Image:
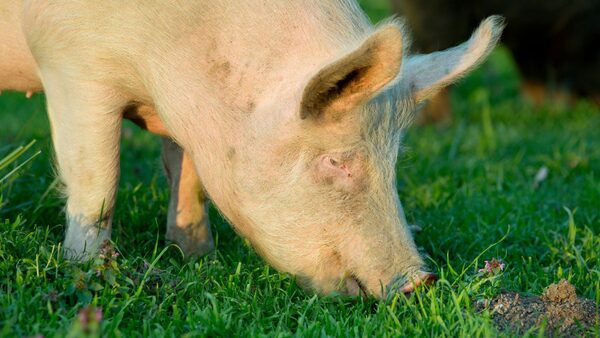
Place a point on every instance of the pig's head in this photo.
(317, 184)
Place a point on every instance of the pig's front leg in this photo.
(86, 124)
(187, 220)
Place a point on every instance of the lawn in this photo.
(469, 184)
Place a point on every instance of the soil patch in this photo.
(563, 313)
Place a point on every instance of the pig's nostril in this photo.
(422, 278)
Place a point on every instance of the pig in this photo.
(287, 114)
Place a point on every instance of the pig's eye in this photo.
(333, 162)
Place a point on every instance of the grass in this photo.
(469, 184)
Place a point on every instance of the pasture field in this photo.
(469, 184)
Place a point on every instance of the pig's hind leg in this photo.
(187, 219)
(86, 122)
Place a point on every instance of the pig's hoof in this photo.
(82, 243)
(76, 255)
(194, 240)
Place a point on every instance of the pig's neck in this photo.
(221, 90)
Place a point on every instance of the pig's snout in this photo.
(409, 285)
(400, 284)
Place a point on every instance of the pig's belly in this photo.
(20, 77)
(18, 70)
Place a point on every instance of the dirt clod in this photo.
(563, 313)
(560, 292)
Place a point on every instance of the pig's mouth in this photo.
(356, 285)
(361, 286)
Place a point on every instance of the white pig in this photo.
(290, 113)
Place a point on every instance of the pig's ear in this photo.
(354, 78)
(429, 73)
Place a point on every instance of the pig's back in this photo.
(122, 41)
